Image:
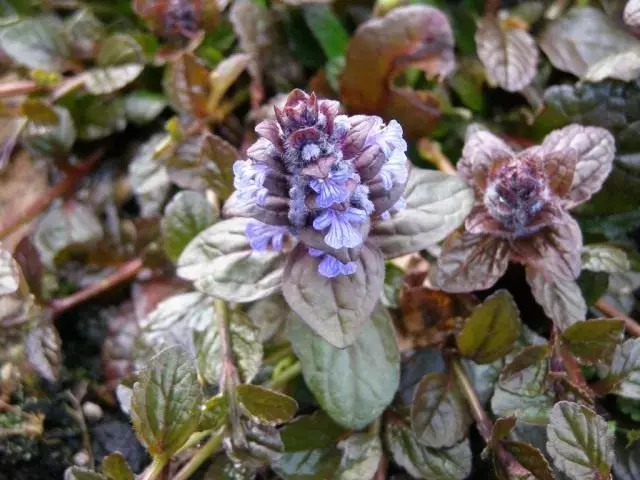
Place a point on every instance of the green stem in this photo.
(278, 355)
(201, 456)
(155, 469)
(285, 377)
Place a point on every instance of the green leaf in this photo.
(581, 38)
(624, 371)
(605, 258)
(85, 31)
(361, 455)
(9, 273)
(246, 349)
(579, 441)
(223, 468)
(393, 281)
(142, 106)
(268, 316)
(423, 462)
(593, 285)
(216, 413)
(79, 473)
(265, 406)
(221, 263)
(318, 464)
(115, 467)
(327, 29)
(51, 140)
(37, 42)
(595, 340)
(148, 177)
(439, 415)
(335, 308)
(43, 349)
(526, 373)
(530, 458)
(627, 460)
(165, 409)
(223, 76)
(491, 330)
(354, 384)
(119, 62)
(98, 117)
(528, 409)
(186, 85)
(185, 216)
(311, 432)
(66, 228)
(39, 112)
(167, 323)
(204, 162)
(509, 54)
(437, 204)
(502, 428)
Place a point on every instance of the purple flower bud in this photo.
(334, 173)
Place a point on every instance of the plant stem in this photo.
(155, 469)
(631, 325)
(285, 377)
(19, 87)
(201, 456)
(278, 355)
(431, 152)
(229, 371)
(125, 272)
(483, 422)
(70, 181)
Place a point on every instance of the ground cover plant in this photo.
(315, 239)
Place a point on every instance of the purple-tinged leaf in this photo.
(561, 300)
(471, 262)
(508, 53)
(436, 205)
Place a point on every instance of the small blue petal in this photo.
(394, 171)
(331, 267)
(341, 232)
(330, 190)
(360, 197)
(314, 252)
(261, 235)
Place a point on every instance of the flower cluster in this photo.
(522, 203)
(177, 18)
(321, 177)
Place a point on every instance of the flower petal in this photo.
(555, 251)
(261, 236)
(595, 149)
(331, 267)
(471, 262)
(481, 150)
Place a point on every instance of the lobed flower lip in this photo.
(522, 206)
(329, 173)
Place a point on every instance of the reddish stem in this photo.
(65, 185)
(19, 87)
(125, 272)
(631, 325)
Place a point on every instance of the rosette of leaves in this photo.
(329, 197)
(521, 214)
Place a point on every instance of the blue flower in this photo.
(330, 190)
(261, 235)
(388, 138)
(249, 179)
(330, 266)
(395, 170)
(341, 231)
